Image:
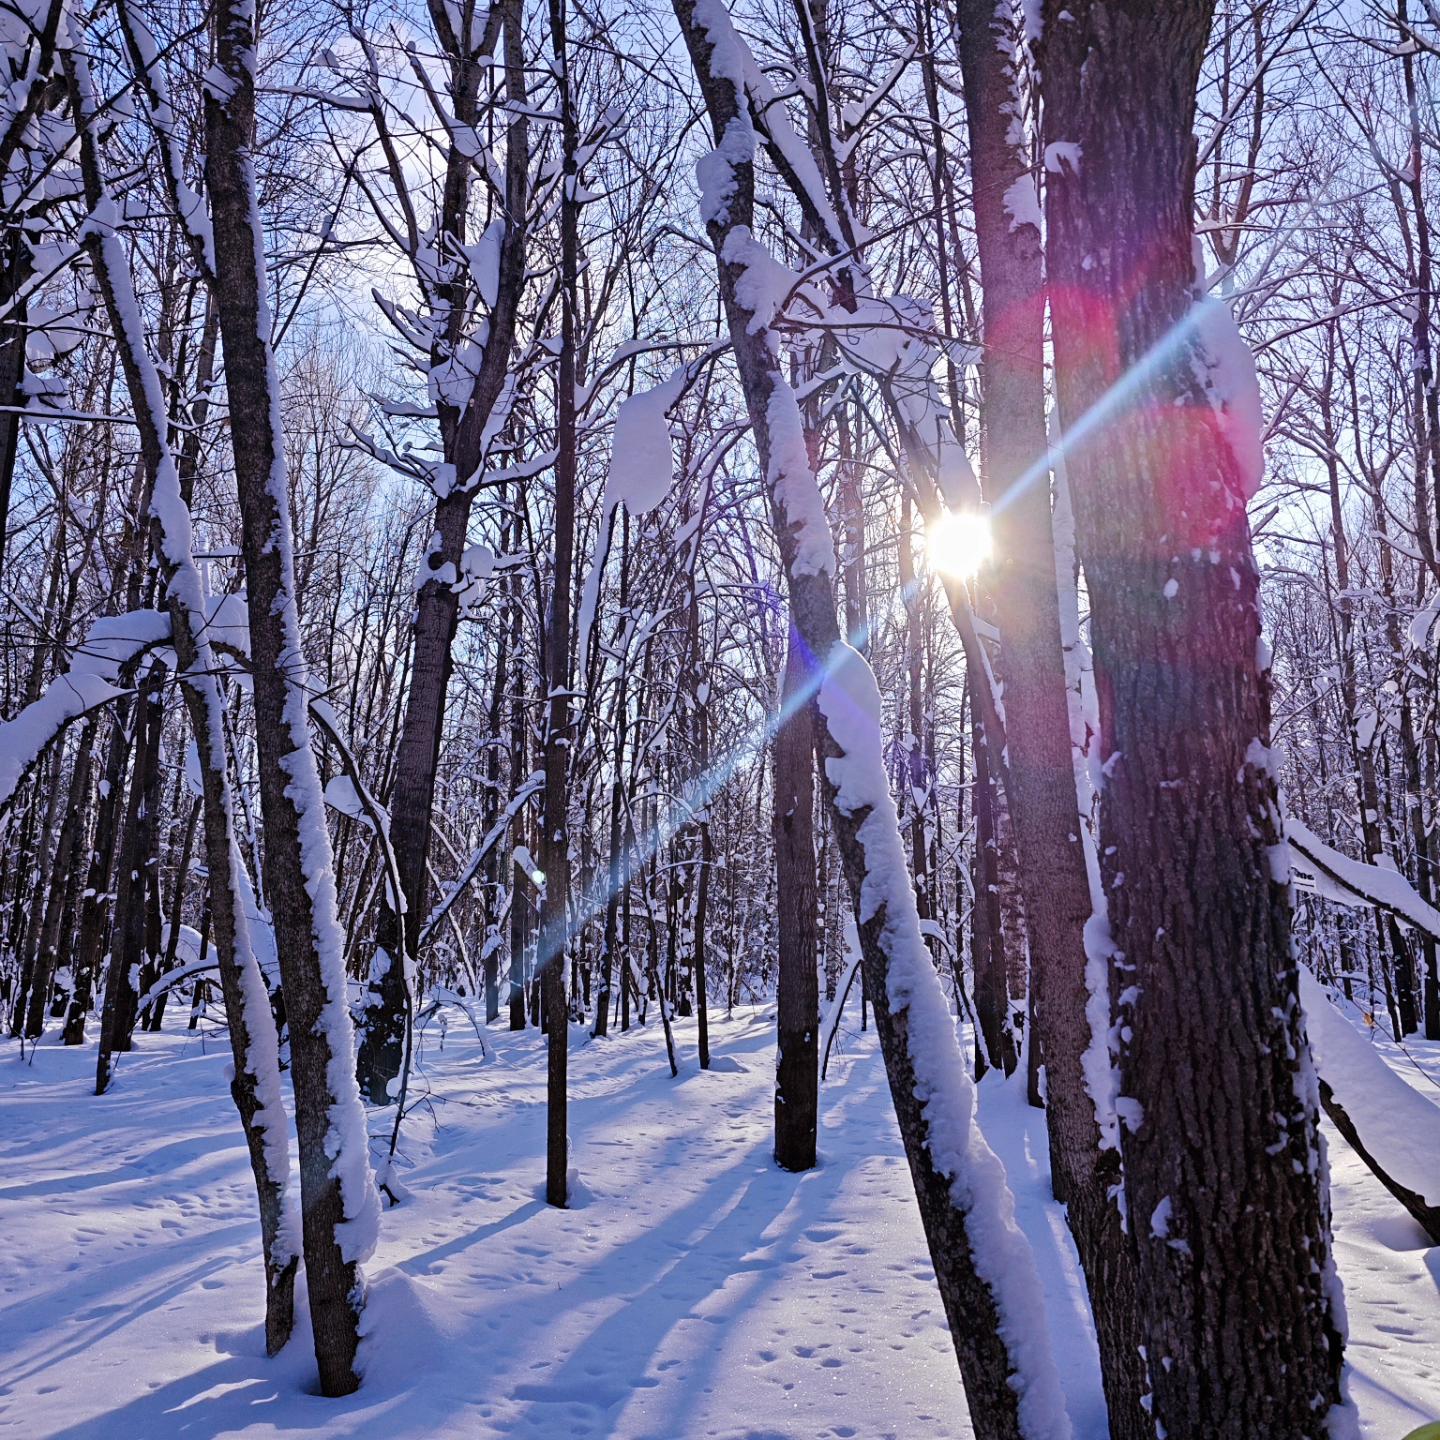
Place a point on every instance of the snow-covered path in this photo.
(696, 1291)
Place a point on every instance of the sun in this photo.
(958, 543)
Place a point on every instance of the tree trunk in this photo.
(62, 883)
(254, 1042)
(995, 1038)
(797, 1021)
(555, 836)
(96, 901)
(1243, 1336)
(437, 604)
(127, 938)
(1040, 774)
(16, 274)
(338, 1201)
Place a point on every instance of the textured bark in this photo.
(95, 900)
(205, 704)
(995, 1037)
(31, 92)
(700, 729)
(519, 761)
(16, 272)
(797, 1039)
(33, 881)
(1039, 773)
(302, 904)
(555, 834)
(1222, 1165)
(617, 877)
(181, 863)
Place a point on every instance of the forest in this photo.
(720, 719)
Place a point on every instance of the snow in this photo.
(1397, 1123)
(1063, 155)
(700, 1294)
(341, 795)
(715, 170)
(763, 283)
(1421, 629)
(792, 482)
(1229, 374)
(642, 470)
(641, 458)
(1326, 872)
(1022, 202)
(90, 682)
(484, 261)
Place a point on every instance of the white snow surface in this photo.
(699, 1294)
(1354, 883)
(642, 461)
(1398, 1124)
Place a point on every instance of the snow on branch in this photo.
(1324, 871)
(100, 665)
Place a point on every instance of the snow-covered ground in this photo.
(695, 1291)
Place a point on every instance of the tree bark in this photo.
(797, 1024)
(437, 604)
(254, 1042)
(555, 835)
(96, 901)
(1040, 774)
(338, 1202)
(1219, 1139)
(62, 883)
(127, 936)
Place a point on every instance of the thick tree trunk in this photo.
(1221, 1153)
(1040, 775)
(797, 1024)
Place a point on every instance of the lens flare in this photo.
(958, 543)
